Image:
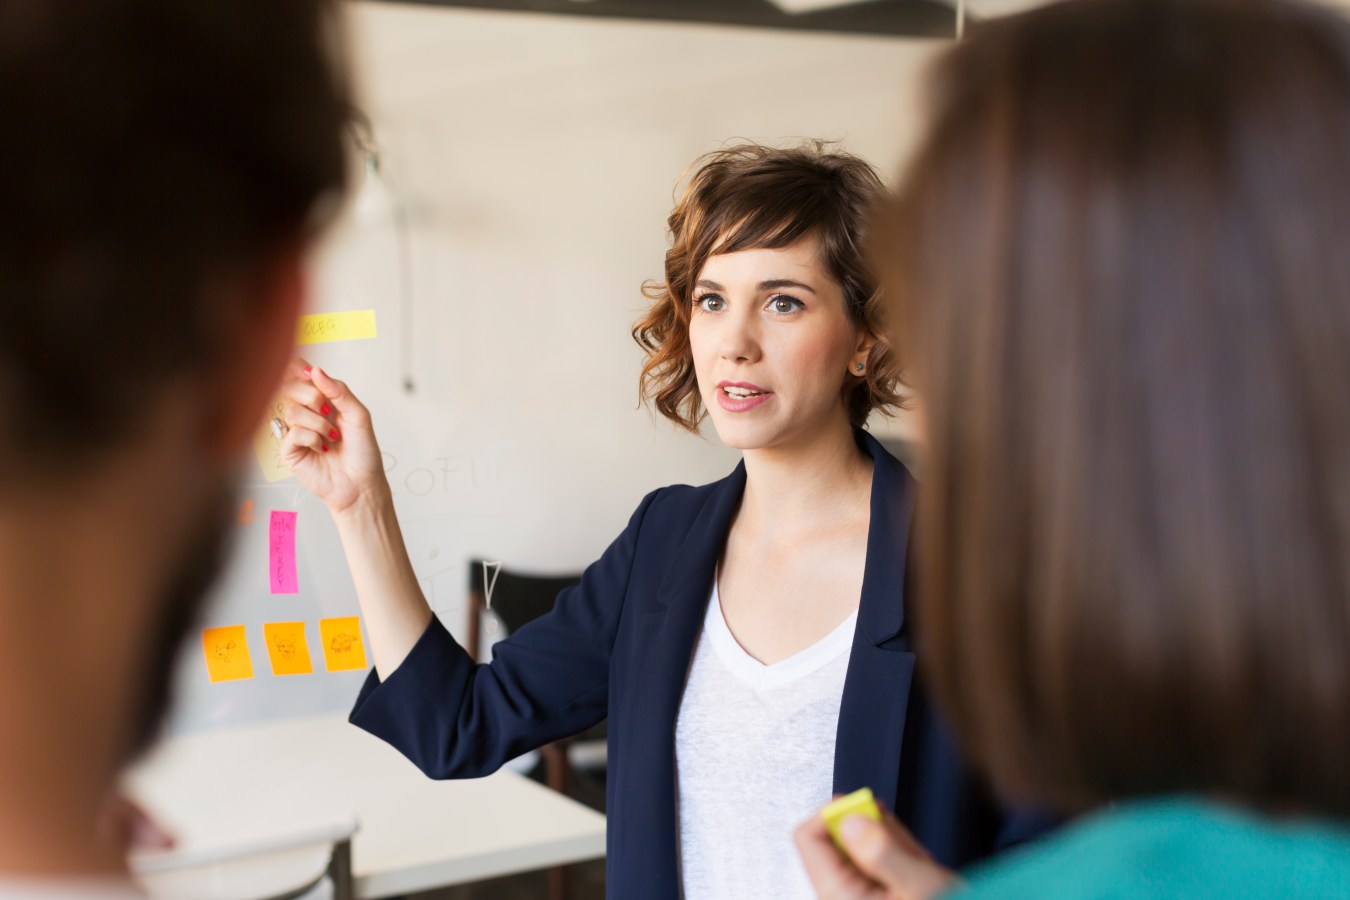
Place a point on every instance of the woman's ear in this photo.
(862, 351)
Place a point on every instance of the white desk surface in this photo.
(242, 785)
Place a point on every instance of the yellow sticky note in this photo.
(287, 649)
(226, 652)
(859, 803)
(324, 328)
(342, 647)
(267, 446)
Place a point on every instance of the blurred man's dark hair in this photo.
(152, 152)
(166, 165)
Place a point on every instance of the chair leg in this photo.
(557, 776)
(340, 871)
(557, 883)
(474, 615)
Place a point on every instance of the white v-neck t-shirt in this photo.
(754, 758)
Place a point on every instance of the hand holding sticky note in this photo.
(896, 864)
(859, 803)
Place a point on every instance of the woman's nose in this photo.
(740, 339)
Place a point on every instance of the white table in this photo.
(251, 784)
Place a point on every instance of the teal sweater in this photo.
(1174, 847)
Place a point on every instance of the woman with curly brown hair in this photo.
(745, 639)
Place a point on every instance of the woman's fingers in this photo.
(339, 395)
(298, 416)
(320, 412)
(831, 875)
(900, 834)
(883, 861)
(889, 856)
(311, 388)
(304, 393)
(298, 440)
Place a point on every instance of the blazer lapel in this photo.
(668, 636)
(881, 667)
(876, 689)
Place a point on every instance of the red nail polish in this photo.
(325, 410)
(325, 448)
(307, 369)
(333, 435)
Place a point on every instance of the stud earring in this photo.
(858, 366)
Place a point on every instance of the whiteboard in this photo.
(535, 158)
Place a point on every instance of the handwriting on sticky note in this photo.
(287, 648)
(226, 652)
(343, 326)
(281, 553)
(267, 447)
(342, 645)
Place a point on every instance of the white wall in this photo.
(536, 156)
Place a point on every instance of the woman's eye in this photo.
(785, 304)
(710, 303)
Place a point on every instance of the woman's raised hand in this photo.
(329, 443)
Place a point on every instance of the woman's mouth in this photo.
(740, 396)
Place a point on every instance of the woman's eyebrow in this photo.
(780, 283)
(771, 285)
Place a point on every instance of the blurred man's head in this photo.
(166, 166)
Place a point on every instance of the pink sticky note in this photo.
(281, 555)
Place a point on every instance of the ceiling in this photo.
(908, 18)
(901, 18)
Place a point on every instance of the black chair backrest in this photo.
(517, 598)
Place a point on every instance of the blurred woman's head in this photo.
(1123, 298)
(769, 314)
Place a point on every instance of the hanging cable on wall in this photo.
(377, 194)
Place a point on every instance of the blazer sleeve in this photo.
(454, 718)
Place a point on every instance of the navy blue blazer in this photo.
(619, 644)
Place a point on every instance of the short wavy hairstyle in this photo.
(749, 196)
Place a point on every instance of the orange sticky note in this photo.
(287, 649)
(342, 647)
(226, 652)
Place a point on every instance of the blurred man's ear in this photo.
(258, 342)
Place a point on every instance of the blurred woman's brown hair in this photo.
(754, 197)
(1125, 300)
